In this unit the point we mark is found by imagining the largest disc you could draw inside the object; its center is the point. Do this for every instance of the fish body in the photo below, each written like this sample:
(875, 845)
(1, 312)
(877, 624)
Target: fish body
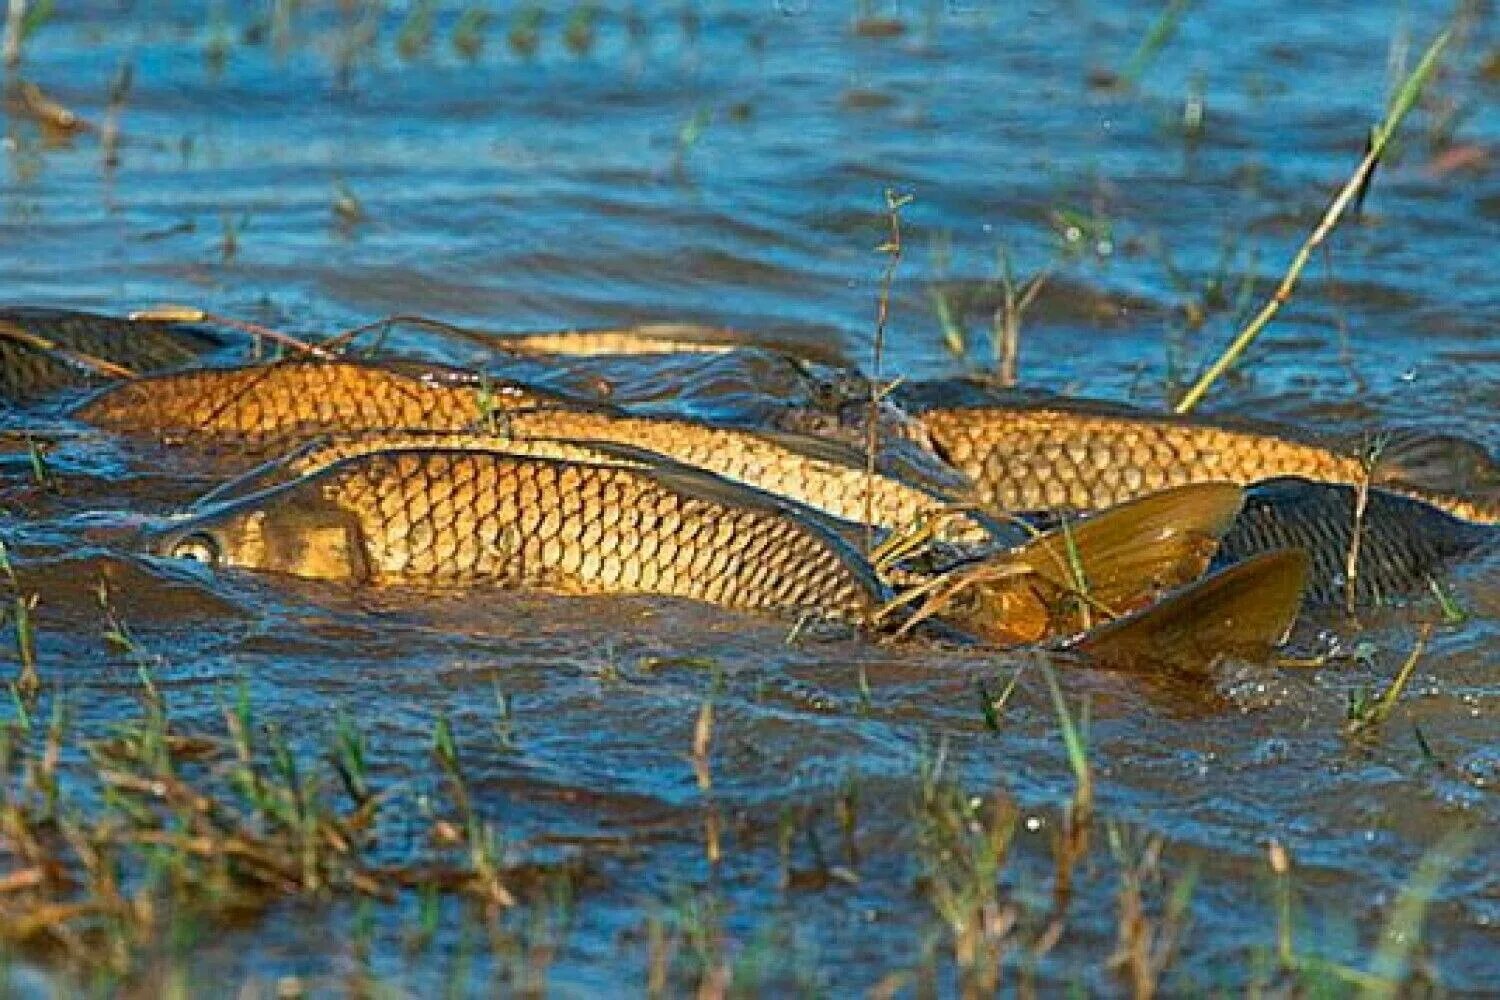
(287, 402)
(1403, 543)
(623, 522)
(827, 477)
(1086, 457)
(46, 350)
(465, 517)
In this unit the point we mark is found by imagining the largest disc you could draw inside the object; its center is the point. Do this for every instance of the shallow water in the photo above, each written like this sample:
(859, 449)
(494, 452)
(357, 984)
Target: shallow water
(522, 193)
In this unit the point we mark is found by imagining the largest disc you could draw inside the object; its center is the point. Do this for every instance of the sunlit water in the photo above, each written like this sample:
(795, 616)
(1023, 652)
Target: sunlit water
(730, 165)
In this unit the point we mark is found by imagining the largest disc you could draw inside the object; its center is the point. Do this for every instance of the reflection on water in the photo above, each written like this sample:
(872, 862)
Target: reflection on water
(318, 166)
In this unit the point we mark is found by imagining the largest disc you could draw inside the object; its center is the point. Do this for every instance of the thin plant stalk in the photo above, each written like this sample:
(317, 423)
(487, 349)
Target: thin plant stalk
(892, 249)
(15, 20)
(1406, 98)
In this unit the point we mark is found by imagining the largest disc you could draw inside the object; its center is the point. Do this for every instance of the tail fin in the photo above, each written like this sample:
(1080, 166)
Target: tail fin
(1117, 560)
(1245, 611)
(1135, 550)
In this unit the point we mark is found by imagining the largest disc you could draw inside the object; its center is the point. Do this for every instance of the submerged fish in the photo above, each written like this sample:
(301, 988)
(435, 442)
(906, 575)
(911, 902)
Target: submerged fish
(1085, 456)
(287, 402)
(449, 517)
(1404, 543)
(644, 339)
(820, 474)
(465, 517)
(45, 350)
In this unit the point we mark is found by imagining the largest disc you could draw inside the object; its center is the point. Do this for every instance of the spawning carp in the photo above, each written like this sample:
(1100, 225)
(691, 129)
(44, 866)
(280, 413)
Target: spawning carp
(445, 517)
(1084, 456)
(820, 474)
(1403, 543)
(290, 401)
(462, 517)
(45, 350)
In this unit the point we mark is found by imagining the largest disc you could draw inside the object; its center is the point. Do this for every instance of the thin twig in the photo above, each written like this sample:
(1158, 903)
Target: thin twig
(1411, 89)
(15, 19)
(892, 249)
(189, 314)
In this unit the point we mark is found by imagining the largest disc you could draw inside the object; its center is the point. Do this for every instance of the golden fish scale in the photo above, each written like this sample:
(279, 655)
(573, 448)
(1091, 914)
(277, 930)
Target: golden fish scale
(287, 398)
(1037, 459)
(339, 447)
(840, 490)
(463, 516)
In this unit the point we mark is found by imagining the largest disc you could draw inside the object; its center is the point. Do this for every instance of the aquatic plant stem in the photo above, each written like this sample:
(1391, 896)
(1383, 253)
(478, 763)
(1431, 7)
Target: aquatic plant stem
(892, 249)
(10, 48)
(191, 314)
(1406, 98)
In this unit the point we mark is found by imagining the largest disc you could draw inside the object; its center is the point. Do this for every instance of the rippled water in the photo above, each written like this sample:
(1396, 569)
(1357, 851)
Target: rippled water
(728, 163)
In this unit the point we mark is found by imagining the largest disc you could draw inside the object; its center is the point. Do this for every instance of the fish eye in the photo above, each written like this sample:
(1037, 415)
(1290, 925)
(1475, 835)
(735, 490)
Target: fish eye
(198, 547)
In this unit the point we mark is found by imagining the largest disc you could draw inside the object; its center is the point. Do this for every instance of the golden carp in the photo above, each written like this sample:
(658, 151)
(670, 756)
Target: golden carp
(290, 401)
(446, 517)
(1079, 456)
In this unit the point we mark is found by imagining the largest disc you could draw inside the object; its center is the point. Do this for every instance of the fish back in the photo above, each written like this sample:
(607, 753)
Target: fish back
(1403, 542)
(444, 517)
(291, 400)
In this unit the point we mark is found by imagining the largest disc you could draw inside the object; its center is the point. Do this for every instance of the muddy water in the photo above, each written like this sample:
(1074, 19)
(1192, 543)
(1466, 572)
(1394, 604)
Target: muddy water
(727, 163)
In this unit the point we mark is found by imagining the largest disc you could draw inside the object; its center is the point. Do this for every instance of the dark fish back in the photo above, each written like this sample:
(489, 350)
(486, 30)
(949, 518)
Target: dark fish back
(1403, 542)
(31, 369)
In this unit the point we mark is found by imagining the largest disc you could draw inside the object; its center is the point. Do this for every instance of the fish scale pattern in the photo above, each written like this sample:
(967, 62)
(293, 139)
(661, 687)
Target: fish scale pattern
(1039, 459)
(28, 371)
(466, 516)
(294, 398)
(840, 490)
(1403, 543)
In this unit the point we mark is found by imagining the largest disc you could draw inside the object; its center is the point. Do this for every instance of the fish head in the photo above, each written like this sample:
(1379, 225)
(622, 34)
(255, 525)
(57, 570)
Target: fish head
(295, 530)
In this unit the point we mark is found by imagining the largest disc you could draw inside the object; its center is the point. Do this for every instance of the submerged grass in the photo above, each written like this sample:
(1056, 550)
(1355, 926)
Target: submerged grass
(119, 852)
